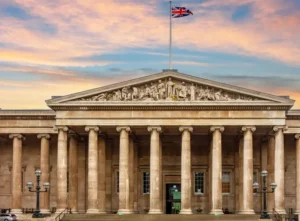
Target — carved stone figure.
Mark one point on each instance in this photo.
(169, 86)
(154, 91)
(161, 90)
(192, 92)
(211, 94)
(201, 94)
(218, 95)
(124, 93)
(117, 95)
(182, 90)
(147, 91)
(102, 97)
(135, 93)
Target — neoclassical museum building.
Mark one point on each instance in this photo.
(128, 146)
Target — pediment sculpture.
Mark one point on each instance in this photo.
(169, 90)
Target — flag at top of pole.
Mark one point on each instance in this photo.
(176, 12)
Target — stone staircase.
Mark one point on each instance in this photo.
(146, 217)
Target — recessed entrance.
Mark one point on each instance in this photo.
(173, 198)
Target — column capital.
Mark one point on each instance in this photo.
(188, 128)
(126, 128)
(277, 128)
(251, 128)
(19, 136)
(95, 128)
(64, 128)
(157, 128)
(297, 136)
(47, 136)
(214, 128)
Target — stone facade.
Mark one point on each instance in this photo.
(95, 146)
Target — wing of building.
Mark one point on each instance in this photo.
(155, 144)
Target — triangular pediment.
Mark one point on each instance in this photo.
(171, 88)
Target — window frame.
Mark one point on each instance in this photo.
(148, 193)
(230, 182)
(117, 181)
(194, 182)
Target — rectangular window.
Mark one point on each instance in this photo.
(255, 180)
(68, 181)
(226, 182)
(118, 181)
(146, 182)
(199, 182)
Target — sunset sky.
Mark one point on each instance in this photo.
(52, 48)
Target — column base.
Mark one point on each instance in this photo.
(92, 211)
(16, 211)
(186, 212)
(297, 212)
(125, 211)
(58, 211)
(155, 212)
(281, 211)
(246, 212)
(216, 212)
(45, 211)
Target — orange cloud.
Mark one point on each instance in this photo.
(86, 28)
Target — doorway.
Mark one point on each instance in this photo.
(173, 198)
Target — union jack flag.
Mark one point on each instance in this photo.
(178, 12)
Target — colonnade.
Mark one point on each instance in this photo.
(96, 177)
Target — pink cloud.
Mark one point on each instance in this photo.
(89, 27)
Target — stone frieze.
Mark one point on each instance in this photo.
(169, 90)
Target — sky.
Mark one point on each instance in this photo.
(59, 47)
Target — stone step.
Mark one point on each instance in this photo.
(146, 217)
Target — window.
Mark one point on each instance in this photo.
(226, 182)
(68, 181)
(255, 180)
(146, 182)
(118, 181)
(199, 182)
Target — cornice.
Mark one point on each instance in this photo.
(27, 115)
(176, 106)
(293, 115)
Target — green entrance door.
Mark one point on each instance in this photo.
(173, 198)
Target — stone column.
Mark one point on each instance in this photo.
(186, 173)
(82, 174)
(62, 165)
(92, 202)
(124, 186)
(45, 169)
(155, 178)
(131, 173)
(297, 137)
(279, 169)
(102, 175)
(16, 186)
(73, 173)
(247, 203)
(241, 164)
(270, 177)
(216, 170)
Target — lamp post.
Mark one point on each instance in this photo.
(37, 213)
(264, 214)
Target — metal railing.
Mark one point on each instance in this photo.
(61, 215)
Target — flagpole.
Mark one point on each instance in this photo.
(170, 46)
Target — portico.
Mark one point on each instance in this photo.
(114, 149)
